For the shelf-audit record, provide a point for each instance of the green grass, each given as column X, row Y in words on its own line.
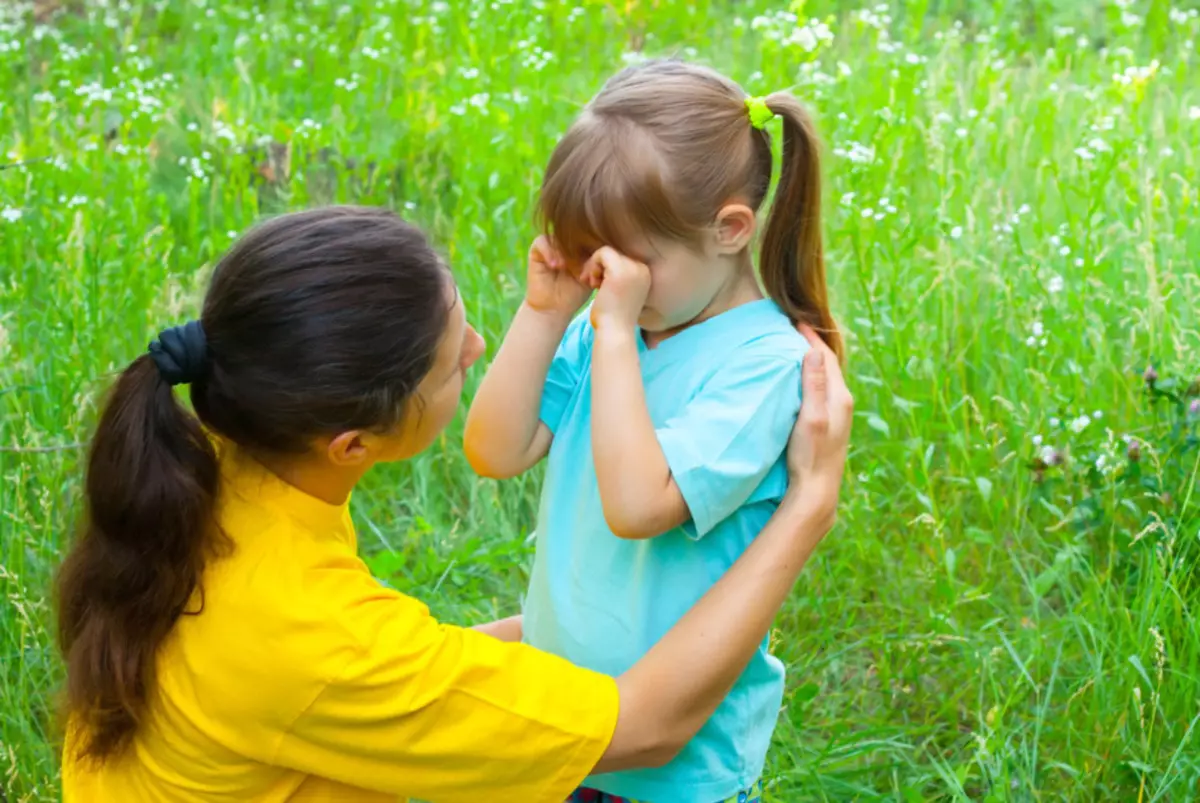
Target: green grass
column 997, row 172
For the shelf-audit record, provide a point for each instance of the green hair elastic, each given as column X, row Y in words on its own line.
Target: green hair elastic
column 760, row 115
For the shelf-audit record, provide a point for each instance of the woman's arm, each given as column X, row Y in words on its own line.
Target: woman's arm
column 672, row 691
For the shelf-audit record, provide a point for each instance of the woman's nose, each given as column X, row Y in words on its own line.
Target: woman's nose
column 475, row 348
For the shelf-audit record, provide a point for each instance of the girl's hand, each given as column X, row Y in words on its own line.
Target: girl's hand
column 817, row 450
column 623, row 284
column 550, row 287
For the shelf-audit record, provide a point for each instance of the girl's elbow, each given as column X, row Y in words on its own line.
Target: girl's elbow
column 483, row 463
column 629, row 527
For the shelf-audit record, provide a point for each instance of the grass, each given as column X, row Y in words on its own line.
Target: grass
column 1011, row 201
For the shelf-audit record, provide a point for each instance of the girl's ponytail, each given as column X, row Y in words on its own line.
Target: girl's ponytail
column 792, row 259
column 150, row 492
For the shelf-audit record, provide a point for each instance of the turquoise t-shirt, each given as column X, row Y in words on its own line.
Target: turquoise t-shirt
column 723, row 395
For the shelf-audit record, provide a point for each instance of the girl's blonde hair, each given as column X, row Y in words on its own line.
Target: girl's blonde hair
column 659, row 151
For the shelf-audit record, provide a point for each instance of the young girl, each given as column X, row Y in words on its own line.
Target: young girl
column 222, row 639
column 666, row 410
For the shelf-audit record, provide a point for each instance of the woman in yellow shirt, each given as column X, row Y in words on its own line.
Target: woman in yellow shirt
column 224, row 642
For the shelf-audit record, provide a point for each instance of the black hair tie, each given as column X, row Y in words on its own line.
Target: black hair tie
column 181, row 353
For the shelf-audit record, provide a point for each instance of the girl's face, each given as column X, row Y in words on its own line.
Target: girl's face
column 437, row 398
column 685, row 279
column 692, row 281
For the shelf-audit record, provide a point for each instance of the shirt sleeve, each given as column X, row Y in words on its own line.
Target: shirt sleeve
column 568, row 368
column 449, row 714
column 721, row 447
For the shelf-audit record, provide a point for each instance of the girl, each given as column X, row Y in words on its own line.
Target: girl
column 666, row 411
column 224, row 642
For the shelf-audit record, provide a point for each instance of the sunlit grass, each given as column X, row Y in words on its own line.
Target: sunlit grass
column 1011, row 202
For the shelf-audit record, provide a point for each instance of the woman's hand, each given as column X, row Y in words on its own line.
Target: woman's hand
column 623, row 284
column 817, row 449
column 550, row 286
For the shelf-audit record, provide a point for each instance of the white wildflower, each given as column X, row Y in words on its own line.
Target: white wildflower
column 11, row 214
column 856, row 152
column 956, row 232
column 1055, row 285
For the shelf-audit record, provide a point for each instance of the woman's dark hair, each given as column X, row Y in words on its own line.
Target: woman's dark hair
column 316, row 322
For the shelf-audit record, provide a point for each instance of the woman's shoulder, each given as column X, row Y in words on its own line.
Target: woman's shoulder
column 270, row 632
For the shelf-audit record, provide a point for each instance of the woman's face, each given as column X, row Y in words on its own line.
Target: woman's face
column 436, row 401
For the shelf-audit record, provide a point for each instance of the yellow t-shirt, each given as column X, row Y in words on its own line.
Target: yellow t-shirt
column 302, row 679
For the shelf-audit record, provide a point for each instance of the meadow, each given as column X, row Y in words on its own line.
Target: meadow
column 1007, row 608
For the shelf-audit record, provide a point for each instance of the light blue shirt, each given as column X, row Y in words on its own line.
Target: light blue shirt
column 723, row 395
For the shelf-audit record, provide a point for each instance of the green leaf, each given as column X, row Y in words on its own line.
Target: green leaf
column 985, row 487
column 878, row 424
column 806, row 692
column 979, row 536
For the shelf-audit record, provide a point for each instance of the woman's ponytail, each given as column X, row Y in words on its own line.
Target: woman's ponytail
column 150, row 492
column 792, row 259
column 277, row 361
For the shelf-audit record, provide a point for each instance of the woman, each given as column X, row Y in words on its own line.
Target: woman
column 224, row 642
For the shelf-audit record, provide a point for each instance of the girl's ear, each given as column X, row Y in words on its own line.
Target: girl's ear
column 735, row 227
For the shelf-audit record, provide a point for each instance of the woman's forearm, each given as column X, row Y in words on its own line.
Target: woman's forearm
column 502, row 436
column 672, row 691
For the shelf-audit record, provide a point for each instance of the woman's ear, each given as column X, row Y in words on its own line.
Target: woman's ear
column 349, row 448
column 736, row 224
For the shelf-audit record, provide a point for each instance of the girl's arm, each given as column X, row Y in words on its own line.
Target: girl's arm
column 672, row 691
column 504, row 436
column 638, row 494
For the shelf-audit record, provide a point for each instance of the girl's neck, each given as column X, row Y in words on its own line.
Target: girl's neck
column 741, row 289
